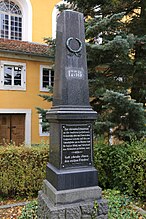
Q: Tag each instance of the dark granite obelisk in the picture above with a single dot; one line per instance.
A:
(71, 163)
(71, 178)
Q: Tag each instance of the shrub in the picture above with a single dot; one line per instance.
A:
(122, 166)
(22, 170)
(120, 206)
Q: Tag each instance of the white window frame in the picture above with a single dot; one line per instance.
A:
(12, 87)
(41, 77)
(26, 9)
(41, 133)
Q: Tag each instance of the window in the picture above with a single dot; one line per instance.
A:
(13, 76)
(47, 78)
(16, 19)
(10, 20)
(43, 125)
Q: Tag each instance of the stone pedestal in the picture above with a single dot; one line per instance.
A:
(71, 204)
(71, 148)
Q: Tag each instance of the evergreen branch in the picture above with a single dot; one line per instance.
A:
(98, 25)
(46, 97)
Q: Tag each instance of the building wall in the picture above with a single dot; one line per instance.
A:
(42, 19)
(28, 99)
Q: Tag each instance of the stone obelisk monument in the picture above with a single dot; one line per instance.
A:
(70, 188)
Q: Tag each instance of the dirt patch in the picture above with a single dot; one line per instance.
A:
(11, 213)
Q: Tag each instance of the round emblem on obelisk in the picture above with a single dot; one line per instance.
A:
(72, 50)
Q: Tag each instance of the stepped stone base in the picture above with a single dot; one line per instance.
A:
(71, 204)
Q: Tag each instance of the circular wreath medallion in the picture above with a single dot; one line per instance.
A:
(75, 51)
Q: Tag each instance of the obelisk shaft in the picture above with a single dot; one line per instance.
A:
(71, 80)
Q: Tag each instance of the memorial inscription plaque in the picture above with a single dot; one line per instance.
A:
(76, 148)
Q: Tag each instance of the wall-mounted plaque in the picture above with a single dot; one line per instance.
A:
(76, 145)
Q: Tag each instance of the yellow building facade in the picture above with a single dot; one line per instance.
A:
(26, 69)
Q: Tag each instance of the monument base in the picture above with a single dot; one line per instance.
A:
(71, 178)
(71, 204)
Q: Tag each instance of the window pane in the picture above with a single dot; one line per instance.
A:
(6, 22)
(13, 75)
(3, 7)
(6, 4)
(17, 34)
(52, 78)
(1, 24)
(20, 36)
(17, 75)
(48, 77)
(6, 17)
(14, 8)
(4, 26)
(6, 33)
(7, 75)
(45, 77)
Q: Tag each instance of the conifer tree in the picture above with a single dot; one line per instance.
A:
(116, 48)
(116, 53)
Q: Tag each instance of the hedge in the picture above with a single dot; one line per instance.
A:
(22, 170)
(122, 167)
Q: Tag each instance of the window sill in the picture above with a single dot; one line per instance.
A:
(44, 134)
(13, 88)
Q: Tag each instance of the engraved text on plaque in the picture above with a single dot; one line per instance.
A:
(76, 145)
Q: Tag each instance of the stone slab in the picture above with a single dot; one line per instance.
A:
(71, 113)
(63, 179)
(79, 210)
(72, 195)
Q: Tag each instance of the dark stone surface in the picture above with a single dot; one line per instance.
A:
(71, 178)
(78, 210)
(71, 79)
(74, 143)
(70, 166)
(71, 117)
(59, 116)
